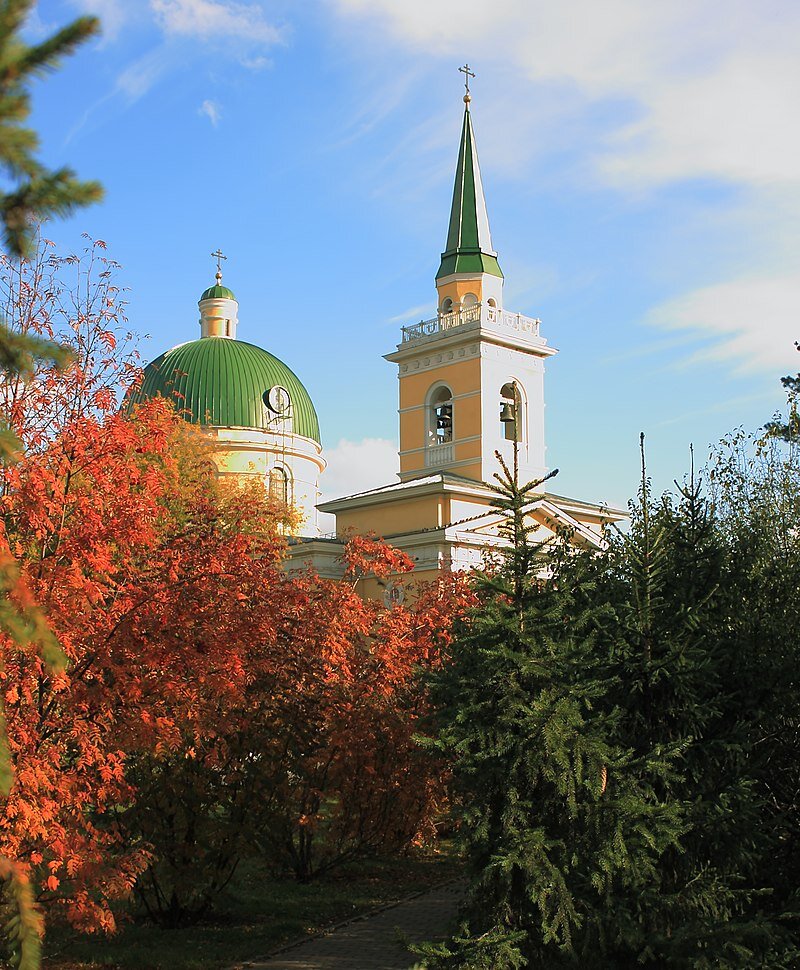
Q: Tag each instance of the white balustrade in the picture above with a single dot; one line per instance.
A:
(479, 314)
(439, 454)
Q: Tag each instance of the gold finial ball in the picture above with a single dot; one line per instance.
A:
(467, 98)
(218, 275)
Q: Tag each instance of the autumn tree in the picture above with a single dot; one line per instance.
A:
(211, 701)
(36, 192)
(105, 515)
(315, 763)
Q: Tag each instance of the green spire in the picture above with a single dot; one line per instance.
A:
(469, 242)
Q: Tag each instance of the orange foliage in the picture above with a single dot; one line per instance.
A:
(122, 540)
(282, 707)
(187, 642)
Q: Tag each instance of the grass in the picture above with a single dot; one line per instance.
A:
(256, 915)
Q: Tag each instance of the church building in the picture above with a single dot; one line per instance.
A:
(470, 384)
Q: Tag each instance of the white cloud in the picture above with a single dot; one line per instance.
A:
(139, 77)
(35, 29)
(638, 96)
(213, 19)
(113, 15)
(212, 111)
(421, 310)
(753, 322)
(709, 82)
(357, 466)
(257, 63)
(732, 124)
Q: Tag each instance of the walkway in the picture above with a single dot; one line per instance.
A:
(373, 942)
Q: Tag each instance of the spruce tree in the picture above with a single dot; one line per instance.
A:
(684, 685)
(38, 192)
(610, 753)
(555, 814)
(35, 192)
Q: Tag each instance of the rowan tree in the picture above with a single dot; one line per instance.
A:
(106, 516)
(28, 354)
(115, 521)
(315, 763)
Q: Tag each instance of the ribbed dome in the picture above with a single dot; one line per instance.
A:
(221, 382)
(217, 292)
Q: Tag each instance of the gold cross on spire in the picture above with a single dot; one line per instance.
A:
(467, 75)
(219, 257)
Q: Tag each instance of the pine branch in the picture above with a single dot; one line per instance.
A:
(40, 193)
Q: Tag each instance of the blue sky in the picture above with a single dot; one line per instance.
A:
(642, 170)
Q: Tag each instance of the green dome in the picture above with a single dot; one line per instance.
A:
(217, 292)
(221, 382)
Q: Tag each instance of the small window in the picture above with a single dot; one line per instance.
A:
(511, 412)
(492, 302)
(440, 413)
(469, 299)
(447, 306)
(279, 485)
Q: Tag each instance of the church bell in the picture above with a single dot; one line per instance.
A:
(444, 417)
(507, 415)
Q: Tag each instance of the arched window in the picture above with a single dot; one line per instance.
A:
(440, 416)
(447, 306)
(512, 418)
(492, 302)
(469, 299)
(279, 485)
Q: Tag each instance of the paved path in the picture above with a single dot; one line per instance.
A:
(374, 942)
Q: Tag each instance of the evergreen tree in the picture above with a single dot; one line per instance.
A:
(685, 683)
(35, 192)
(555, 813)
(609, 754)
(39, 192)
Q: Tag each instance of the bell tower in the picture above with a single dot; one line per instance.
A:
(471, 380)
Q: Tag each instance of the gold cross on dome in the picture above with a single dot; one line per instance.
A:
(219, 257)
(467, 75)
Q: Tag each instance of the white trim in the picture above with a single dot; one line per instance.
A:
(456, 397)
(416, 451)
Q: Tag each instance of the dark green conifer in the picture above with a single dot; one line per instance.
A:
(607, 735)
(38, 192)
(35, 192)
(554, 812)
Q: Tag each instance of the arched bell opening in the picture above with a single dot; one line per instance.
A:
(512, 417)
(440, 416)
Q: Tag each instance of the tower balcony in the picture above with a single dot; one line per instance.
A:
(481, 316)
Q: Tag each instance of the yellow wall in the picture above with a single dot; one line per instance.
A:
(457, 289)
(396, 517)
(463, 379)
(373, 589)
